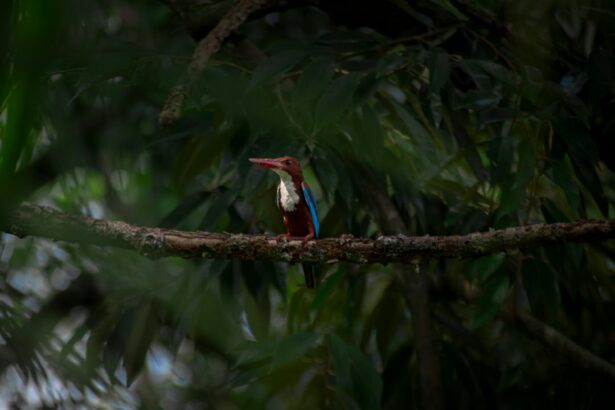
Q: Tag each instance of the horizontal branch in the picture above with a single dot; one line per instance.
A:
(30, 220)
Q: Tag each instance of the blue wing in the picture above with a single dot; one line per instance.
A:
(311, 201)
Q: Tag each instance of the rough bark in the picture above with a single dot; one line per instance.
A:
(30, 220)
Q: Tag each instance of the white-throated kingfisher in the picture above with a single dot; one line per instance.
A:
(297, 203)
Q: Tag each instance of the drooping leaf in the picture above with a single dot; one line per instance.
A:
(483, 267)
(448, 6)
(565, 180)
(276, 65)
(314, 81)
(439, 70)
(336, 100)
(479, 99)
(513, 195)
(355, 376)
(138, 340)
(540, 282)
(494, 294)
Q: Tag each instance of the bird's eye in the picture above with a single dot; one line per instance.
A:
(288, 162)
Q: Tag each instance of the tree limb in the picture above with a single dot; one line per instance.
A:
(563, 345)
(531, 327)
(31, 220)
(202, 53)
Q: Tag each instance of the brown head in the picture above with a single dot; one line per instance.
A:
(283, 166)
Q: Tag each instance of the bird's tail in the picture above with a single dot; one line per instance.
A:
(309, 271)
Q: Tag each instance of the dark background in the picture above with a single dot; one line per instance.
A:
(452, 116)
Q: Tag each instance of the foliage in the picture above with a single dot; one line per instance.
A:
(468, 115)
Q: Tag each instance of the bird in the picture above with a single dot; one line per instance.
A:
(296, 202)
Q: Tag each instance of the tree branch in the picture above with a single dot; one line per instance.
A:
(531, 327)
(563, 345)
(30, 220)
(202, 53)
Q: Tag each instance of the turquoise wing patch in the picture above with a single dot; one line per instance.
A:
(311, 201)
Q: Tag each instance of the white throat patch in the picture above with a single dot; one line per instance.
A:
(289, 197)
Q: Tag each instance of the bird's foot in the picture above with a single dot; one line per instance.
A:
(288, 237)
(308, 237)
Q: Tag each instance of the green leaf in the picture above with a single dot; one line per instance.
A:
(219, 204)
(355, 376)
(540, 283)
(140, 337)
(298, 310)
(439, 70)
(448, 6)
(389, 63)
(494, 294)
(325, 290)
(258, 314)
(327, 174)
(336, 100)
(276, 65)
(600, 75)
(500, 168)
(421, 138)
(533, 84)
(185, 208)
(580, 143)
(513, 195)
(552, 213)
(199, 153)
(267, 356)
(476, 72)
(436, 108)
(369, 141)
(565, 180)
(499, 73)
(479, 99)
(483, 267)
(586, 172)
(494, 115)
(314, 81)
(292, 348)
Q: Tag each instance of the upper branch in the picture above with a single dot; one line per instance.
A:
(203, 52)
(29, 220)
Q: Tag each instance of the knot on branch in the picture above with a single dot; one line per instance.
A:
(151, 242)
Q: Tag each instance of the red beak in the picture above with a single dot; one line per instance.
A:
(266, 162)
